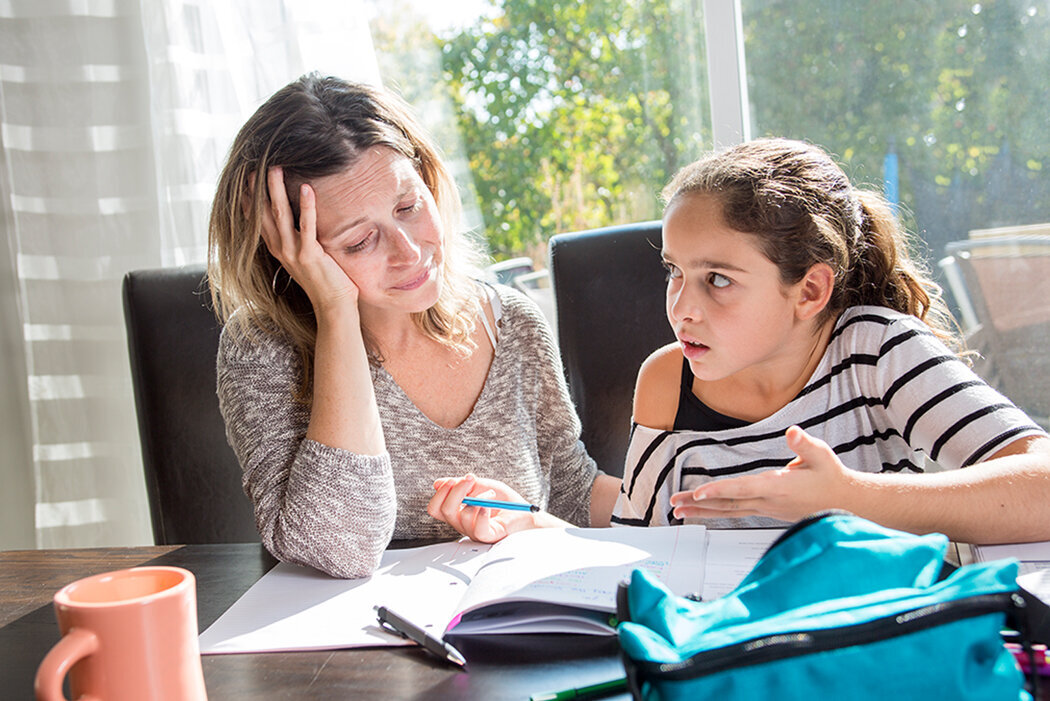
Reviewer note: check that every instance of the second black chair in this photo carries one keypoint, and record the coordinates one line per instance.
(609, 294)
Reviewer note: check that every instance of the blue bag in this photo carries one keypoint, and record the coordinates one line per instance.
(838, 607)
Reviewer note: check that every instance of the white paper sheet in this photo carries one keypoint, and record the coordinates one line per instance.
(299, 608)
(731, 554)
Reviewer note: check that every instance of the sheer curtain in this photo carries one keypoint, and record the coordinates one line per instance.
(115, 117)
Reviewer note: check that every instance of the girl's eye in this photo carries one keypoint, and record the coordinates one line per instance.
(718, 280)
(362, 244)
(672, 270)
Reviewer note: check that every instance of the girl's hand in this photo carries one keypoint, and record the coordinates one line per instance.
(477, 522)
(813, 481)
(325, 283)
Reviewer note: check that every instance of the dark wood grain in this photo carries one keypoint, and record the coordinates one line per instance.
(29, 578)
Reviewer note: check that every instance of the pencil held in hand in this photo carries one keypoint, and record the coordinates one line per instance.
(497, 504)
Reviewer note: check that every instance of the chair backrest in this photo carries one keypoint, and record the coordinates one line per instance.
(609, 297)
(1008, 285)
(193, 479)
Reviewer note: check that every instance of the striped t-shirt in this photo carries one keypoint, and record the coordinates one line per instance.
(886, 395)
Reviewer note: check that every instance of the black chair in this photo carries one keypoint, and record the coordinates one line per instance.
(193, 479)
(609, 299)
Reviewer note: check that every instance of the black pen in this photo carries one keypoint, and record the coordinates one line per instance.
(434, 645)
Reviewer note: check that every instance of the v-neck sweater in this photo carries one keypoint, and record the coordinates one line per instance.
(336, 510)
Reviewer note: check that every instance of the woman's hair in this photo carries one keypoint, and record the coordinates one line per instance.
(314, 127)
(803, 210)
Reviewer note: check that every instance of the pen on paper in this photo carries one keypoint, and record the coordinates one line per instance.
(406, 629)
(497, 504)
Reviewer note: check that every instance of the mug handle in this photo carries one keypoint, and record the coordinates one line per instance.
(74, 646)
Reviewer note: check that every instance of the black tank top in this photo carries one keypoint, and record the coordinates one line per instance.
(694, 415)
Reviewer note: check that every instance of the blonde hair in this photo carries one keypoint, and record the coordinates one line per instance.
(314, 127)
(803, 210)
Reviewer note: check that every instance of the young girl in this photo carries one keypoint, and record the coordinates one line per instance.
(813, 369)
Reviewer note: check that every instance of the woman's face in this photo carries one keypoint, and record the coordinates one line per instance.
(380, 223)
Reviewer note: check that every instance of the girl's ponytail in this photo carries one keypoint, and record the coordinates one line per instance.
(885, 274)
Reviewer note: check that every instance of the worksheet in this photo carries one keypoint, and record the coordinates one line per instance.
(549, 580)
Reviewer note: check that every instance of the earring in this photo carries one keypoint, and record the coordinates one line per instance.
(273, 283)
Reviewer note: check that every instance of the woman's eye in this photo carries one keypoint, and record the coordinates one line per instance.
(672, 271)
(718, 280)
(409, 208)
(362, 244)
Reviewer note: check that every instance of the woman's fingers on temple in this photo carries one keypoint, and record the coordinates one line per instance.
(307, 212)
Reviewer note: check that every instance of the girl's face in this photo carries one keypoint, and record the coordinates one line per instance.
(726, 303)
(380, 223)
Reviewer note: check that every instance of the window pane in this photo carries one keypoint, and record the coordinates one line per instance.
(571, 115)
(944, 106)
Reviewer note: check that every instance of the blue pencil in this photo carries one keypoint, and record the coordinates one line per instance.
(496, 504)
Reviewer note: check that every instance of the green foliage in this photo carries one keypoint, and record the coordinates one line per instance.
(573, 115)
(958, 90)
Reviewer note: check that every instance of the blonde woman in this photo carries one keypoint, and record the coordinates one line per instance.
(361, 359)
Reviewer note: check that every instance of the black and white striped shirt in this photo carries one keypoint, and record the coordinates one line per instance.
(886, 395)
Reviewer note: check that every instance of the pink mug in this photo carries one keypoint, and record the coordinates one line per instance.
(128, 635)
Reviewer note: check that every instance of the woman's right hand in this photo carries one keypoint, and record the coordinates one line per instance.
(299, 252)
(479, 523)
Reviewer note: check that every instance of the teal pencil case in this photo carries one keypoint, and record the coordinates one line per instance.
(838, 607)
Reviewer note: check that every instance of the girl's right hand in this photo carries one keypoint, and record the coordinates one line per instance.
(302, 256)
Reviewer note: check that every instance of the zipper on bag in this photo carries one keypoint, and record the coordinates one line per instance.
(779, 646)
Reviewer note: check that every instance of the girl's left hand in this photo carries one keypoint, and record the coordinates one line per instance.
(476, 522)
(813, 481)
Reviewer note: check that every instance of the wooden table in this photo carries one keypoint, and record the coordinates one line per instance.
(500, 667)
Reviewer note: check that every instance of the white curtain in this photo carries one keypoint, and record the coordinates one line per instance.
(115, 117)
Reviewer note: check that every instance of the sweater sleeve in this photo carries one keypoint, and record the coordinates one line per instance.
(314, 505)
(572, 471)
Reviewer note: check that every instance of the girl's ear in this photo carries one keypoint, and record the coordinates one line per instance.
(814, 291)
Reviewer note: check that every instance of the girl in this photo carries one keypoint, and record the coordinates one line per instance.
(360, 360)
(813, 369)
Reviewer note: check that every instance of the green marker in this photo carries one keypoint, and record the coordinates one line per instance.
(593, 691)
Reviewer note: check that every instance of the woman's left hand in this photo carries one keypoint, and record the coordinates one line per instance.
(477, 522)
(813, 481)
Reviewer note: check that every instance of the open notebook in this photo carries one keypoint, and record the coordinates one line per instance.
(544, 580)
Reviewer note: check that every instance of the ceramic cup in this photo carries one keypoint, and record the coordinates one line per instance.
(128, 635)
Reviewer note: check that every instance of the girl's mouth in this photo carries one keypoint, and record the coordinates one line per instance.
(692, 349)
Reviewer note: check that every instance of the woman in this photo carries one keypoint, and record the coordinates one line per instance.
(360, 358)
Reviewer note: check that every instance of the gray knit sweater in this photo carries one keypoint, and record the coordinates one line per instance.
(336, 510)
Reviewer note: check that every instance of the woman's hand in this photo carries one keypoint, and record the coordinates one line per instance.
(477, 522)
(813, 481)
(299, 252)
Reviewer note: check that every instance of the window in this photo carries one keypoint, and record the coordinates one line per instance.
(944, 107)
(571, 115)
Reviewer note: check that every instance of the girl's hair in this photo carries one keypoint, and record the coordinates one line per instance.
(803, 210)
(314, 127)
